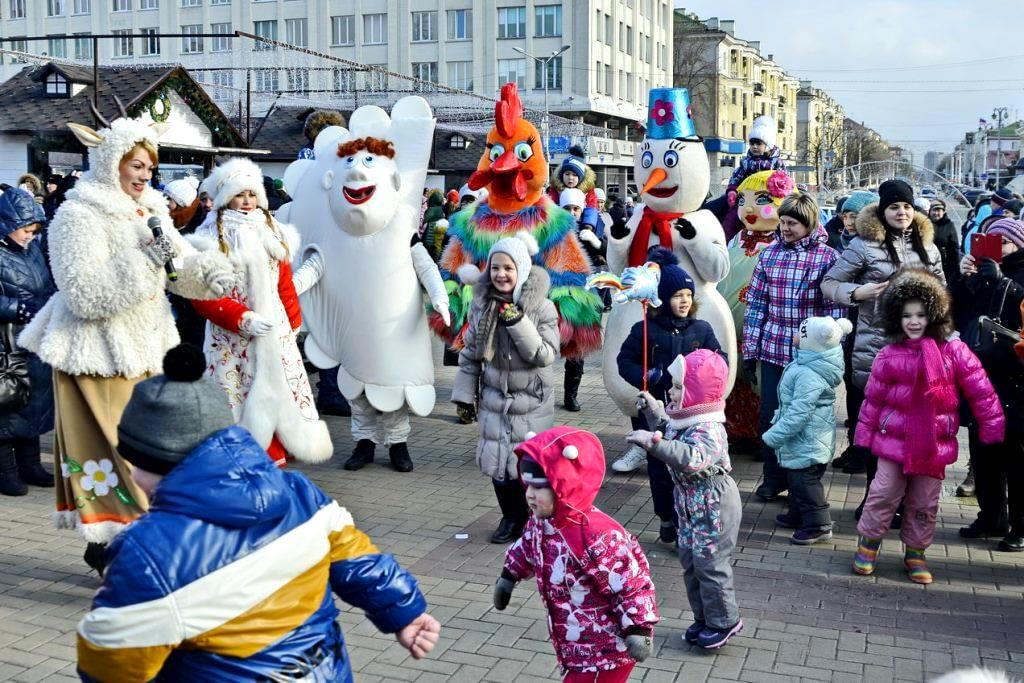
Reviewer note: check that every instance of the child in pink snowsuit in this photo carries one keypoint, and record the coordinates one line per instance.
(910, 417)
(591, 573)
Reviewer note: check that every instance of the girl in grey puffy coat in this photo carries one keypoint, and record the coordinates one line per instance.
(510, 345)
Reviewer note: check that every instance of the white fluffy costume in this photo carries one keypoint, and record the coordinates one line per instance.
(357, 206)
(263, 374)
(109, 325)
(671, 167)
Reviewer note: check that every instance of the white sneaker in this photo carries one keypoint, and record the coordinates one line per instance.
(630, 460)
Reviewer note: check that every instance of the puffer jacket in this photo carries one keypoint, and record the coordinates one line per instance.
(515, 388)
(592, 575)
(885, 424)
(242, 587)
(867, 261)
(803, 431)
(667, 337)
(25, 281)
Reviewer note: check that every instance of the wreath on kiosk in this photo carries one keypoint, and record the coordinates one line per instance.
(160, 107)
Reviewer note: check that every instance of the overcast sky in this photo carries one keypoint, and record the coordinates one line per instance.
(920, 72)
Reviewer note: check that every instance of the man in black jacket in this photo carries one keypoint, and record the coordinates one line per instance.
(947, 239)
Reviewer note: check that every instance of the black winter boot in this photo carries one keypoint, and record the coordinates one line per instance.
(30, 469)
(400, 459)
(96, 557)
(361, 456)
(10, 483)
(573, 376)
(514, 511)
(967, 488)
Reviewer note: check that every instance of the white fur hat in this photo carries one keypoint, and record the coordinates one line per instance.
(466, 192)
(572, 196)
(599, 193)
(764, 129)
(824, 333)
(234, 176)
(183, 191)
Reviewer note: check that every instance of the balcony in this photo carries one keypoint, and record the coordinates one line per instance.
(759, 88)
(782, 100)
(782, 126)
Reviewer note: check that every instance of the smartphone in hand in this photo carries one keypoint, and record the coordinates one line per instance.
(987, 246)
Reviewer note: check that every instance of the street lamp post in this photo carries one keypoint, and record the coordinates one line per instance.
(999, 114)
(544, 61)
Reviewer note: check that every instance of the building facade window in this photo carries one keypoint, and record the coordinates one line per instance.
(296, 32)
(55, 8)
(220, 2)
(609, 32)
(460, 75)
(268, 30)
(553, 71)
(376, 79)
(344, 80)
(56, 47)
(599, 26)
(83, 48)
(150, 43)
(191, 43)
(221, 44)
(191, 3)
(547, 20)
(18, 46)
(122, 6)
(265, 80)
(149, 4)
(629, 41)
(343, 30)
(375, 29)
(425, 71)
(298, 80)
(123, 43)
(511, 22)
(512, 71)
(424, 27)
(460, 24)
(57, 85)
(223, 82)
(17, 9)
(609, 76)
(458, 142)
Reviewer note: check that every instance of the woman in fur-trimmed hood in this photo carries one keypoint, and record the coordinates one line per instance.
(110, 324)
(251, 335)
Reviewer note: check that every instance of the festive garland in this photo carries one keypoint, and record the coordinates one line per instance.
(163, 112)
(202, 106)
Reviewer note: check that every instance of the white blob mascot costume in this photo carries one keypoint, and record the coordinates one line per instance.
(671, 167)
(357, 207)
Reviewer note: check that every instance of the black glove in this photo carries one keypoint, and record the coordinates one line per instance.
(685, 228)
(26, 311)
(618, 215)
(503, 588)
(510, 314)
(989, 271)
(749, 371)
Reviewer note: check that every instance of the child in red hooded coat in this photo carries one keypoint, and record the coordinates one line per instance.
(591, 573)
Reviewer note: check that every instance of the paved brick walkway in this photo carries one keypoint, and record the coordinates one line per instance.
(807, 618)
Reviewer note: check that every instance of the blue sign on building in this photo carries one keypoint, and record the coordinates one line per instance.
(559, 144)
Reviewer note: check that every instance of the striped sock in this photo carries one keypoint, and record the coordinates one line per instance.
(917, 567)
(866, 556)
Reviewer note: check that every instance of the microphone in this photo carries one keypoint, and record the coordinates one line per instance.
(154, 225)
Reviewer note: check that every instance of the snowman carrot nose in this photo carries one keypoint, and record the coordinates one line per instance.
(657, 175)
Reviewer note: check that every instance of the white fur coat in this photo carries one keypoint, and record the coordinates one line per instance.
(110, 316)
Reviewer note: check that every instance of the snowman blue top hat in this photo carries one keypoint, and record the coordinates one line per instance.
(669, 115)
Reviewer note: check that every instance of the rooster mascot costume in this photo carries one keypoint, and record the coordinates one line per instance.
(671, 168)
(514, 170)
(356, 205)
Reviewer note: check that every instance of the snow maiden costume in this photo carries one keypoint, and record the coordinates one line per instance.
(260, 369)
(110, 324)
(514, 170)
(357, 208)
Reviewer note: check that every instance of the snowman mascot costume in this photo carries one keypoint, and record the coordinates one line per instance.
(357, 206)
(671, 168)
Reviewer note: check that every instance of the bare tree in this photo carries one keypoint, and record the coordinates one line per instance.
(694, 68)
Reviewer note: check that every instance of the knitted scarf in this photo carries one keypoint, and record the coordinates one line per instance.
(487, 325)
(934, 383)
(651, 221)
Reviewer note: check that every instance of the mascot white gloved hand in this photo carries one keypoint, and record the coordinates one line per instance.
(671, 167)
(357, 206)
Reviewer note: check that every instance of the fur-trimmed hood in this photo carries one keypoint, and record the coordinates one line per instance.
(587, 183)
(870, 226)
(917, 283)
(531, 297)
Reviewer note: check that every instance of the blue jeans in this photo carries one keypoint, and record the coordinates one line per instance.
(774, 476)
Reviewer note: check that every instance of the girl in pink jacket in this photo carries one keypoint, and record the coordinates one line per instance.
(910, 421)
(591, 574)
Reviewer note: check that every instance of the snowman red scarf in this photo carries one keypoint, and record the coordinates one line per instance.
(651, 221)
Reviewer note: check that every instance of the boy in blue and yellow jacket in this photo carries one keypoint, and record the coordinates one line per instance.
(230, 574)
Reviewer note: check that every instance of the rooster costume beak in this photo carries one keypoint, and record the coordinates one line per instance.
(505, 164)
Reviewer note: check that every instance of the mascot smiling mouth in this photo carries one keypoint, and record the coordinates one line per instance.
(358, 195)
(750, 219)
(662, 192)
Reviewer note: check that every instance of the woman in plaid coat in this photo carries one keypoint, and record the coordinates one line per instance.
(785, 289)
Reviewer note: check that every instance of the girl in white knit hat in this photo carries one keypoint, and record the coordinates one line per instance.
(251, 334)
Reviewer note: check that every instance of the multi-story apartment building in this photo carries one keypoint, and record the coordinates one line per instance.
(731, 84)
(820, 136)
(618, 49)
